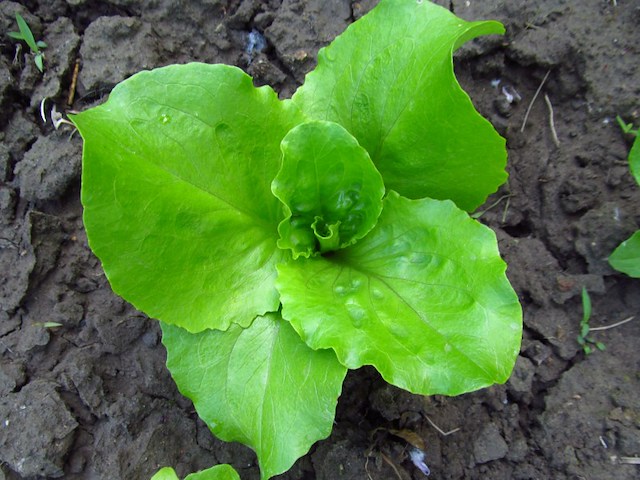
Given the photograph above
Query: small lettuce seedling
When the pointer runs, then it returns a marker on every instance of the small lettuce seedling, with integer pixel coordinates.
(626, 257)
(26, 36)
(282, 242)
(586, 342)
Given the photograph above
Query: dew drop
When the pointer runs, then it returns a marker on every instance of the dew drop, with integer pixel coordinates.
(357, 314)
(377, 294)
(303, 207)
(418, 257)
(340, 289)
(329, 55)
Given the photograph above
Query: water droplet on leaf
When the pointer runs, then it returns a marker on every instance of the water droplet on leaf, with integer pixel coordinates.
(377, 294)
(356, 313)
(340, 289)
(419, 257)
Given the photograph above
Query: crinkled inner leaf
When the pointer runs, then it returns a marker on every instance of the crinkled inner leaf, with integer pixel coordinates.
(626, 258)
(261, 386)
(176, 189)
(388, 79)
(332, 193)
(219, 472)
(423, 298)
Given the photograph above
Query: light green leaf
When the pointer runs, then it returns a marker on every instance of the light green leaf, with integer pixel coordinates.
(331, 191)
(26, 34)
(261, 386)
(423, 298)
(219, 472)
(634, 159)
(165, 473)
(39, 61)
(176, 189)
(15, 35)
(626, 258)
(388, 79)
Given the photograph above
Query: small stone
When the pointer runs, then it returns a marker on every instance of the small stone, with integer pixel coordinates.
(150, 339)
(489, 445)
(37, 447)
(522, 377)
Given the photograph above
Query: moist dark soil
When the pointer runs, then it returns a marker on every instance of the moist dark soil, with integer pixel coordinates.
(92, 399)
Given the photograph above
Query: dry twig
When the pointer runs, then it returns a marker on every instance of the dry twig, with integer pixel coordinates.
(551, 122)
(607, 327)
(442, 432)
(526, 115)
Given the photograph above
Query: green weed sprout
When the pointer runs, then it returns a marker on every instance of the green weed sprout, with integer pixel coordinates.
(583, 337)
(26, 36)
(626, 257)
(627, 127)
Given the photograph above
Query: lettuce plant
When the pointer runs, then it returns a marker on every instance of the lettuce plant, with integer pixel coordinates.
(626, 257)
(282, 242)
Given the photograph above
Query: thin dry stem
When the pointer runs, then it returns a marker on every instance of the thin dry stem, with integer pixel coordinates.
(552, 124)
(526, 115)
(442, 432)
(613, 325)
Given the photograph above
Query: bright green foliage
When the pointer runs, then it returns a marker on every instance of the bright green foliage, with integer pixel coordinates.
(269, 239)
(177, 193)
(26, 36)
(331, 191)
(422, 298)
(584, 339)
(634, 160)
(626, 257)
(384, 80)
(219, 472)
(261, 386)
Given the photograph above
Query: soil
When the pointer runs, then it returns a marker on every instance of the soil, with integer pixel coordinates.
(92, 399)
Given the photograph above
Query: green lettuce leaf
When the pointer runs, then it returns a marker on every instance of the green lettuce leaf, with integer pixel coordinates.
(176, 189)
(634, 159)
(423, 298)
(261, 386)
(331, 191)
(388, 79)
(626, 258)
(219, 472)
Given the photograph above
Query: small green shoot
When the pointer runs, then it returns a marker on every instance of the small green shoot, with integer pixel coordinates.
(26, 36)
(627, 127)
(47, 324)
(583, 338)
